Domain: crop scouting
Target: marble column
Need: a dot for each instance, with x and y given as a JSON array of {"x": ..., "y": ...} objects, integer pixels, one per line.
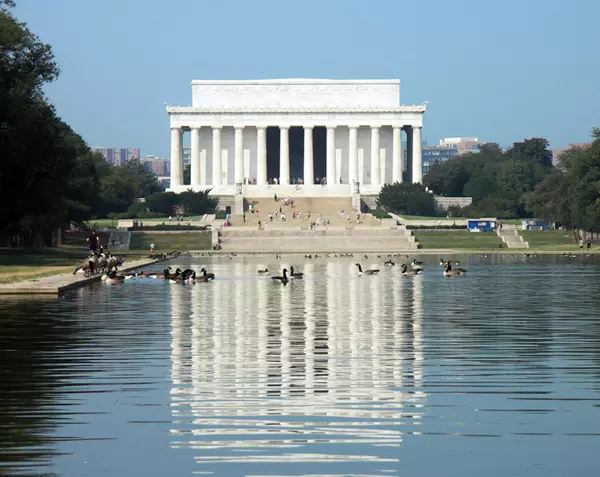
[
  {"x": 417, "y": 158},
  {"x": 353, "y": 153},
  {"x": 239, "y": 154},
  {"x": 397, "y": 157},
  {"x": 375, "y": 162},
  {"x": 309, "y": 167},
  {"x": 284, "y": 156},
  {"x": 331, "y": 179},
  {"x": 217, "y": 163},
  {"x": 261, "y": 155},
  {"x": 195, "y": 174},
  {"x": 176, "y": 158}
]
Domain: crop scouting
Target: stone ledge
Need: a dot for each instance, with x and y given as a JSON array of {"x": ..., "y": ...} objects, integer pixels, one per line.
[{"x": 59, "y": 283}]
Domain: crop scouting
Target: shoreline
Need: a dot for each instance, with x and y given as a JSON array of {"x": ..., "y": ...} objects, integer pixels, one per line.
[{"x": 54, "y": 285}]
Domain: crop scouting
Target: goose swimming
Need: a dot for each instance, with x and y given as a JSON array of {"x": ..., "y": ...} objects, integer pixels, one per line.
[
  {"x": 410, "y": 273},
  {"x": 283, "y": 279},
  {"x": 366, "y": 272},
  {"x": 296, "y": 275},
  {"x": 448, "y": 272}
]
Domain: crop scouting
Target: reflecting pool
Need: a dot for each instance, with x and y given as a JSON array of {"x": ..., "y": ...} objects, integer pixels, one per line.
[{"x": 495, "y": 373}]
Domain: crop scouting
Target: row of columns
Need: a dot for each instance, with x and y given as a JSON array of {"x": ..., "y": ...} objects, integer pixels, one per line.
[{"x": 284, "y": 156}]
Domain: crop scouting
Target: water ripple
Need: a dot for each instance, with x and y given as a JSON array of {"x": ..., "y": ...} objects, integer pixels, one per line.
[{"x": 334, "y": 374}]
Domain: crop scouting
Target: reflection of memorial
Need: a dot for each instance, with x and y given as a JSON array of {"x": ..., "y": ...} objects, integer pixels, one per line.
[{"x": 269, "y": 370}]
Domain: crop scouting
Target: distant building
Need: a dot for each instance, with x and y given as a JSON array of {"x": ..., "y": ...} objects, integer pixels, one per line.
[
  {"x": 161, "y": 166},
  {"x": 449, "y": 148},
  {"x": 187, "y": 156},
  {"x": 118, "y": 156},
  {"x": 557, "y": 151},
  {"x": 462, "y": 144}
]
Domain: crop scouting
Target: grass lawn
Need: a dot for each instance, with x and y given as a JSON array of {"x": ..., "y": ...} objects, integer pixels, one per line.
[
  {"x": 423, "y": 217},
  {"x": 165, "y": 242},
  {"x": 550, "y": 240},
  {"x": 457, "y": 239},
  {"x": 24, "y": 264}
]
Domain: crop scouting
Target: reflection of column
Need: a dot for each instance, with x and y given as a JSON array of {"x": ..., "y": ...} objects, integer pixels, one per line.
[
  {"x": 284, "y": 156},
  {"x": 239, "y": 154},
  {"x": 331, "y": 177},
  {"x": 355, "y": 336},
  {"x": 286, "y": 315},
  {"x": 375, "y": 348},
  {"x": 262, "y": 344},
  {"x": 353, "y": 153},
  {"x": 261, "y": 155},
  {"x": 217, "y": 163},
  {"x": 375, "y": 164},
  {"x": 178, "y": 334},
  {"x": 310, "y": 340},
  {"x": 309, "y": 174},
  {"x": 397, "y": 158},
  {"x": 418, "y": 336},
  {"x": 333, "y": 331},
  {"x": 417, "y": 158},
  {"x": 195, "y": 163},
  {"x": 176, "y": 158}
]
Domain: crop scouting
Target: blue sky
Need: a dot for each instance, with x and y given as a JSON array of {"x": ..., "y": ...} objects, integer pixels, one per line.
[{"x": 499, "y": 70}]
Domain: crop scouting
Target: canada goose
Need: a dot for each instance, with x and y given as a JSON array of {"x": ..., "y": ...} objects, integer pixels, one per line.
[
  {"x": 297, "y": 275},
  {"x": 165, "y": 274},
  {"x": 366, "y": 272},
  {"x": 389, "y": 263},
  {"x": 410, "y": 273},
  {"x": 207, "y": 276},
  {"x": 263, "y": 272},
  {"x": 453, "y": 273},
  {"x": 444, "y": 262},
  {"x": 112, "y": 278},
  {"x": 416, "y": 265},
  {"x": 283, "y": 279}
]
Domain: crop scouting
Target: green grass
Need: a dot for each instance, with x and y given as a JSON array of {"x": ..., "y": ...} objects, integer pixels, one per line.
[
  {"x": 457, "y": 239},
  {"x": 168, "y": 241},
  {"x": 550, "y": 239}
]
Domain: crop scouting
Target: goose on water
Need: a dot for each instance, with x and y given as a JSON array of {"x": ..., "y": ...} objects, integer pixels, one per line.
[
  {"x": 297, "y": 275},
  {"x": 207, "y": 275},
  {"x": 282, "y": 279},
  {"x": 112, "y": 278},
  {"x": 389, "y": 263},
  {"x": 448, "y": 272},
  {"x": 410, "y": 273},
  {"x": 416, "y": 265},
  {"x": 366, "y": 272},
  {"x": 263, "y": 272}
]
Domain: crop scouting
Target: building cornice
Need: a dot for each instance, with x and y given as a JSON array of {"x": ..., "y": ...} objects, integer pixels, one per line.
[{"x": 299, "y": 110}]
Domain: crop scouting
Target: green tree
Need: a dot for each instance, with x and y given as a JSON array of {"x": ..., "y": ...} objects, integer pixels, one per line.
[{"x": 406, "y": 198}]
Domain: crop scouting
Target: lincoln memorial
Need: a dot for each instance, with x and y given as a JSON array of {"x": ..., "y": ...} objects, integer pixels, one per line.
[{"x": 301, "y": 137}]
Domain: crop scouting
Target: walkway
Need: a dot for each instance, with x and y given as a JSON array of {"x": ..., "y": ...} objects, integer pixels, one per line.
[{"x": 57, "y": 284}]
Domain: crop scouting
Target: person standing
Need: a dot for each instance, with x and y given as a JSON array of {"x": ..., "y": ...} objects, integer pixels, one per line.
[
  {"x": 588, "y": 243},
  {"x": 152, "y": 247},
  {"x": 93, "y": 241}
]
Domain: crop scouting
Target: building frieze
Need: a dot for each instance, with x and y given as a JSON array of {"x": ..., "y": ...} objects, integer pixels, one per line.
[{"x": 296, "y": 110}]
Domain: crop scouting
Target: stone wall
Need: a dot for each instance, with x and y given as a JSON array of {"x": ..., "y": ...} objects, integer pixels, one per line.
[{"x": 444, "y": 202}]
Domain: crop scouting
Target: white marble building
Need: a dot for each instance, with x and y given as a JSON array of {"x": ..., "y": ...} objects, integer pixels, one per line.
[{"x": 309, "y": 137}]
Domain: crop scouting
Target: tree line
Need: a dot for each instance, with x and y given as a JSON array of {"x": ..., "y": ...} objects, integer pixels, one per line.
[
  {"x": 503, "y": 183},
  {"x": 49, "y": 177}
]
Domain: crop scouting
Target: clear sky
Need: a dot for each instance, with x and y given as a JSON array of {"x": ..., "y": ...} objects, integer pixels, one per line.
[{"x": 502, "y": 70}]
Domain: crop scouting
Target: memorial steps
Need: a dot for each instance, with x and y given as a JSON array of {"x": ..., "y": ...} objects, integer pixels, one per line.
[{"x": 294, "y": 239}]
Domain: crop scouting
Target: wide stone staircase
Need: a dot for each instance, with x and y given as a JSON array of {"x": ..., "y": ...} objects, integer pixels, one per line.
[
  {"x": 511, "y": 238},
  {"x": 321, "y": 209},
  {"x": 293, "y": 240}
]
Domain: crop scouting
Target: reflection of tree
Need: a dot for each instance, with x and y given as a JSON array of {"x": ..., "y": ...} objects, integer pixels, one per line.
[{"x": 28, "y": 384}]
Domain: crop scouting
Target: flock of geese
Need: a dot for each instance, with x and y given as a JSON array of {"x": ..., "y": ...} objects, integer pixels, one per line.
[
  {"x": 189, "y": 276},
  {"x": 186, "y": 276},
  {"x": 416, "y": 268}
]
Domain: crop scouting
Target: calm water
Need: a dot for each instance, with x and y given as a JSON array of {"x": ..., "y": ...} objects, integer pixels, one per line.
[{"x": 496, "y": 373}]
